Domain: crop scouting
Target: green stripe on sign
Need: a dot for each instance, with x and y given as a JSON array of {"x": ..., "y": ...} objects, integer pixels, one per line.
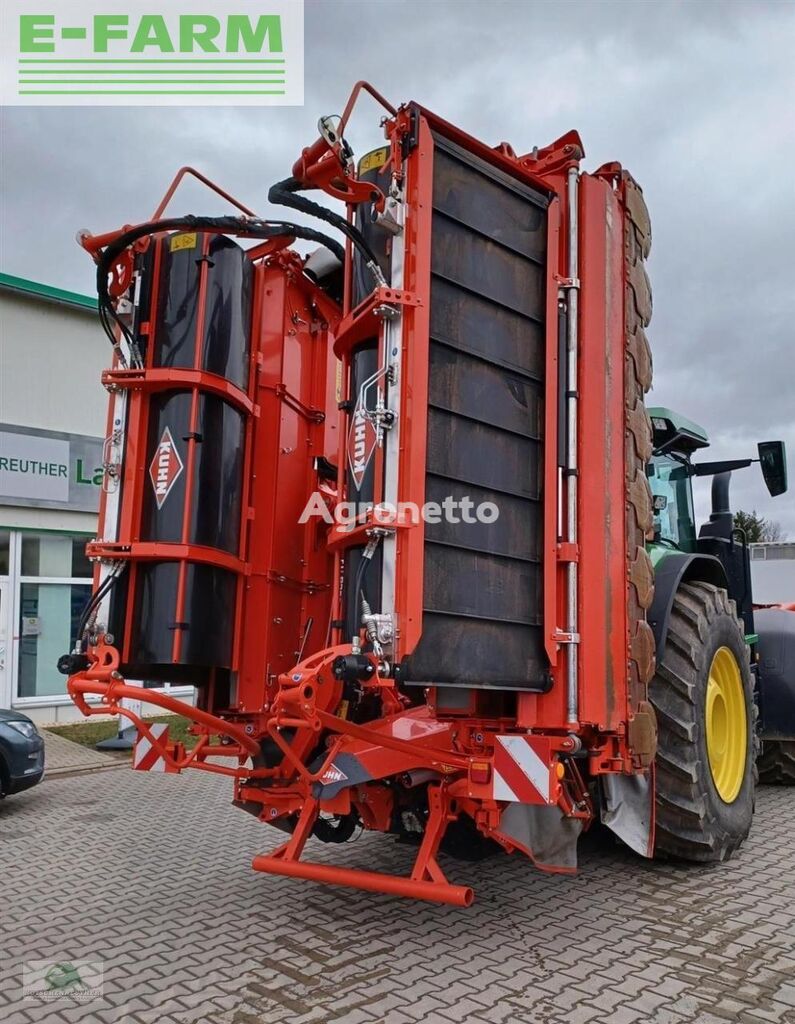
[
  {"x": 151, "y": 71},
  {"x": 150, "y": 60}
]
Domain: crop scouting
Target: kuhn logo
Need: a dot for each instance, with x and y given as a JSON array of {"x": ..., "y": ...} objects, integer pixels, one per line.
[
  {"x": 333, "y": 774},
  {"x": 165, "y": 467},
  {"x": 361, "y": 443}
]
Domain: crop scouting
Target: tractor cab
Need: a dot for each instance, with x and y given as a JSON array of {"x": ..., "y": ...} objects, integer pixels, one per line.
[
  {"x": 670, "y": 473},
  {"x": 717, "y": 554}
]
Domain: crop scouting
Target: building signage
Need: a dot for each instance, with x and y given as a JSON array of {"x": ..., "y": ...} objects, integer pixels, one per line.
[{"x": 49, "y": 469}]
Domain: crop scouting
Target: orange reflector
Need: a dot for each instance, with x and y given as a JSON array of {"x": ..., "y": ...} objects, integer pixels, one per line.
[
  {"x": 480, "y": 772},
  {"x": 560, "y": 769}
]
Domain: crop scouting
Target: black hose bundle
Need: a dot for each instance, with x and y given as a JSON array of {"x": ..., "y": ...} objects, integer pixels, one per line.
[
  {"x": 285, "y": 193},
  {"x": 95, "y": 600},
  {"x": 242, "y": 226}
]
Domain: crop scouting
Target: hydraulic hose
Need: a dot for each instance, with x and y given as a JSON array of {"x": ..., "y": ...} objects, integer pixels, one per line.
[
  {"x": 361, "y": 571},
  {"x": 285, "y": 193},
  {"x": 244, "y": 227},
  {"x": 95, "y": 600}
]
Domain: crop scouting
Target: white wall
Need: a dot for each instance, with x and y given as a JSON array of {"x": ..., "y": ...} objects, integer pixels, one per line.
[
  {"x": 18, "y": 518},
  {"x": 51, "y": 358},
  {"x": 773, "y": 580}
]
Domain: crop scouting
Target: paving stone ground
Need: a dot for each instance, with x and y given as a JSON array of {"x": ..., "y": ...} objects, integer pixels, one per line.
[
  {"x": 151, "y": 875},
  {"x": 62, "y": 756}
]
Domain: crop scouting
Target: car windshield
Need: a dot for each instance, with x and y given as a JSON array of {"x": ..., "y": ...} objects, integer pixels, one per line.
[{"x": 673, "y": 501}]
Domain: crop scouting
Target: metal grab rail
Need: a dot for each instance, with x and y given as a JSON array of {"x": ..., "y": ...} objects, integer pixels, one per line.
[{"x": 115, "y": 690}]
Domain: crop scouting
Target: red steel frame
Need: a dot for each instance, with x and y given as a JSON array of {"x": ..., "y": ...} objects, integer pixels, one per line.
[{"x": 289, "y": 379}]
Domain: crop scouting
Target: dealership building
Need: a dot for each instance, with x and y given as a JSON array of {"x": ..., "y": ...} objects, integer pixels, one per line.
[
  {"x": 52, "y": 426},
  {"x": 52, "y": 417}
]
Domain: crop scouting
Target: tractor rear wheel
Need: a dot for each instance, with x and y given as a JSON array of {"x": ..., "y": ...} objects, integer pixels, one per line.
[
  {"x": 777, "y": 762},
  {"x": 703, "y": 697}
]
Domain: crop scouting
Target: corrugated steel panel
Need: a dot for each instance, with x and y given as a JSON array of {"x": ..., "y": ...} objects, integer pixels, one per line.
[{"x": 483, "y": 580}]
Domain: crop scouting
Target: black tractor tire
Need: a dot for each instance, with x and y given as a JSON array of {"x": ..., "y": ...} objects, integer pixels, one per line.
[
  {"x": 693, "y": 822},
  {"x": 776, "y": 763}
]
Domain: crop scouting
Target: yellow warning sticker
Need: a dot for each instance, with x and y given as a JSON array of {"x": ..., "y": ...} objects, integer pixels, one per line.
[
  {"x": 182, "y": 242},
  {"x": 377, "y": 158},
  {"x": 338, "y": 382}
]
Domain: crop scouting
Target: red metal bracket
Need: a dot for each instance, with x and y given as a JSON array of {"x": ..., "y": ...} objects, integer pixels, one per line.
[
  {"x": 565, "y": 152},
  {"x": 313, "y": 415},
  {"x": 562, "y": 636},
  {"x": 162, "y": 551},
  {"x": 342, "y": 537},
  {"x": 166, "y": 379},
  {"x": 426, "y": 882},
  {"x": 568, "y": 552},
  {"x": 323, "y": 164},
  {"x": 365, "y": 320},
  {"x": 305, "y": 586}
]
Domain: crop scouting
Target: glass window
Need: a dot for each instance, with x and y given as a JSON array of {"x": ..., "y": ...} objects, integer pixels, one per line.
[
  {"x": 5, "y": 544},
  {"x": 55, "y": 554},
  {"x": 674, "y": 518},
  {"x": 49, "y": 615},
  {"x": 81, "y": 567},
  {"x": 51, "y": 601}
]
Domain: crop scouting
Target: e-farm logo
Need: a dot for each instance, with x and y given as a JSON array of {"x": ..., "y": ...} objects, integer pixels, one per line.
[{"x": 167, "y": 53}]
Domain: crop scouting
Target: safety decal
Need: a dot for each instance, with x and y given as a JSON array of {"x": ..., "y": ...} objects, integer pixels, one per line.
[
  {"x": 182, "y": 242},
  {"x": 165, "y": 468},
  {"x": 146, "y": 758},
  {"x": 377, "y": 158},
  {"x": 520, "y": 774}
]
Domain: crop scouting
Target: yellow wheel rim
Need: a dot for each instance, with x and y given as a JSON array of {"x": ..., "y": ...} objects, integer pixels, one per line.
[{"x": 727, "y": 725}]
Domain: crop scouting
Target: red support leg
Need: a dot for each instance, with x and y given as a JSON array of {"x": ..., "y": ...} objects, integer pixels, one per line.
[{"x": 427, "y": 881}]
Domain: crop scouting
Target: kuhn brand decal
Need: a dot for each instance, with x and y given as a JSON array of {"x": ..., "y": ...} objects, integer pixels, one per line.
[
  {"x": 333, "y": 774},
  {"x": 361, "y": 443},
  {"x": 165, "y": 467}
]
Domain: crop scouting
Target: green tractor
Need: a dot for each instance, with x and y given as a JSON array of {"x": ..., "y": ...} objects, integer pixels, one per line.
[{"x": 716, "y": 704}]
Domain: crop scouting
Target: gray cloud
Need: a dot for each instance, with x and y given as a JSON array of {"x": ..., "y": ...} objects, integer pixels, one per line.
[{"x": 695, "y": 98}]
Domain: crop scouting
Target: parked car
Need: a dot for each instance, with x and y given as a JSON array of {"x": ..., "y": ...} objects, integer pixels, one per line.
[{"x": 21, "y": 753}]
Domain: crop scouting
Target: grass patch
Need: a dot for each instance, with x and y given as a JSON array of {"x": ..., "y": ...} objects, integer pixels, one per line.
[{"x": 88, "y": 734}]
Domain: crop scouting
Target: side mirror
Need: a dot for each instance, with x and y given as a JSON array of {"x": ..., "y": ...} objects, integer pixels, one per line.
[{"x": 773, "y": 459}]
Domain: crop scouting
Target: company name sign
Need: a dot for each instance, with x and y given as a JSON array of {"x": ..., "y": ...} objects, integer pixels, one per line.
[
  {"x": 167, "y": 53},
  {"x": 49, "y": 470}
]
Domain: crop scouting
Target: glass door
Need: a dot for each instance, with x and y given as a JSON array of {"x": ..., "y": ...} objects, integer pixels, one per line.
[{"x": 5, "y": 644}]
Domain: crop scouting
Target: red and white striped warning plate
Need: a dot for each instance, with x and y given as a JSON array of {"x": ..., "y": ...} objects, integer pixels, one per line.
[
  {"x": 146, "y": 757},
  {"x": 522, "y": 770}
]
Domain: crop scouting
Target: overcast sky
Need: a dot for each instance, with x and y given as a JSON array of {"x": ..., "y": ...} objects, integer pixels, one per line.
[{"x": 696, "y": 99}]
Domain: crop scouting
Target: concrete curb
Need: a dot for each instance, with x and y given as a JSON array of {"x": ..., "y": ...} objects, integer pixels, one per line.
[{"x": 68, "y": 772}]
